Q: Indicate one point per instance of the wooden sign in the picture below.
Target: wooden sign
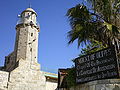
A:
(102, 64)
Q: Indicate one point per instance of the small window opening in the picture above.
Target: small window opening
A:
(31, 49)
(8, 60)
(31, 34)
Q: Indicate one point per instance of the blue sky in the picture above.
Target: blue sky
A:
(54, 52)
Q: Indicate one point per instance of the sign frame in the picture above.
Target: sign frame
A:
(99, 65)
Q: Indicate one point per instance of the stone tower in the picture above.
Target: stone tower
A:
(22, 63)
(27, 36)
(26, 45)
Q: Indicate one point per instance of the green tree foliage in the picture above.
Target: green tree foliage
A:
(100, 23)
(71, 77)
(93, 47)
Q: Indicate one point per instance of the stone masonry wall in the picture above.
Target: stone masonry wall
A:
(25, 78)
(51, 85)
(3, 80)
(108, 84)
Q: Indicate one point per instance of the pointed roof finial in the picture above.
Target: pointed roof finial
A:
(30, 5)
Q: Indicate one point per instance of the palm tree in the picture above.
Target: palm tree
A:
(109, 11)
(79, 24)
(97, 24)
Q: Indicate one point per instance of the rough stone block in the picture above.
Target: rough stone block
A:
(3, 79)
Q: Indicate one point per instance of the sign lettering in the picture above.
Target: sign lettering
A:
(102, 64)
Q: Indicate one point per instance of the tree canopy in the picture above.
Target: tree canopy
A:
(99, 22)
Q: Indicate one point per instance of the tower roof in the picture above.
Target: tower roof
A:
(29, 10)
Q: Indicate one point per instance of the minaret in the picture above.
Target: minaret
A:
(22, 63)
(26, 44)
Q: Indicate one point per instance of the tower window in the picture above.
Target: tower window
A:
(31, 34)
(31, 49)
(8, 60)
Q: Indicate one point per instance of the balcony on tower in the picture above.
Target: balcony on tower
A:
(28, 17)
